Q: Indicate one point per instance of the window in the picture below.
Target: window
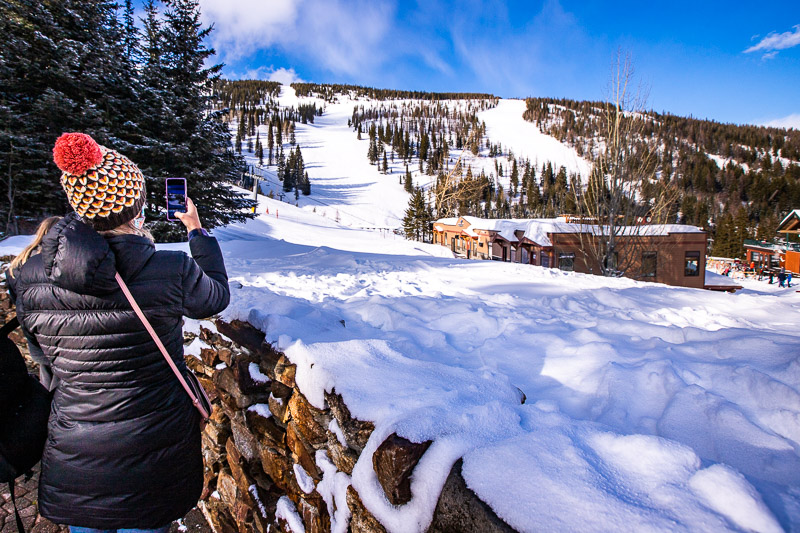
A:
(692, 264)
(566, 262)
(545, 260)
(649, 260)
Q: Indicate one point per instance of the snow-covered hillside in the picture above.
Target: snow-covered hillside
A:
(505, 124)
(647, 407)
(346, 188)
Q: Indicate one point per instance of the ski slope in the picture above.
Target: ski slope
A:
(346, 188)
(504, 124)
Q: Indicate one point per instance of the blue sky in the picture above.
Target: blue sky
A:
(728, 61)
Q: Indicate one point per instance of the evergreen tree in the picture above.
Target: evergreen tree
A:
(131, 40)
(200, 146)
(281, 165)
(259, 149)
(408, 183)
(514, 178)
(417, 217)
(270, 142)
(372, 151)
(61, 69)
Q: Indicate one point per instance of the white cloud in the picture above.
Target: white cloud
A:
(776, 41)
(242, 27)
(517, 62)
(285, 76)
(282, 75)
(343, 37)
(346, 38)
(790, 121)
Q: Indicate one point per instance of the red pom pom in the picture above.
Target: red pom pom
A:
(76, 153)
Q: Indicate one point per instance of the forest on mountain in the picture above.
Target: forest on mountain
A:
(329, 91)
(736, 182)
(250, 104)
(144, 89)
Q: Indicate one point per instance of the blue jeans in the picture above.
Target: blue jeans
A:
(76, 529)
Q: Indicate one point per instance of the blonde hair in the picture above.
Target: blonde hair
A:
(33, 247)
(128, 228)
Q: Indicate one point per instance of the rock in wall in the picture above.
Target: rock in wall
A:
(262, 442)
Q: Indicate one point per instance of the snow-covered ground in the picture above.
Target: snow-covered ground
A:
(648, 407)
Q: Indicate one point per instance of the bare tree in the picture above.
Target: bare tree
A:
(623, 196)
(450, 190)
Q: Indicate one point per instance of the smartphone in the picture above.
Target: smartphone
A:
(176, 197)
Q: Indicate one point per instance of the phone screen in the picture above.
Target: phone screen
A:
(176, 196)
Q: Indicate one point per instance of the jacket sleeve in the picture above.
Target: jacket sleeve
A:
(37, 355)
(205, 281)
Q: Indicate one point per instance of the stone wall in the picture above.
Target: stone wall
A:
(260, 445)
(261, 442)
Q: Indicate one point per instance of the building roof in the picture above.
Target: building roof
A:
(773, 246)
(538, 230)
(790, 223)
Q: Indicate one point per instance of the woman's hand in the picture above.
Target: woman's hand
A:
(189, 218)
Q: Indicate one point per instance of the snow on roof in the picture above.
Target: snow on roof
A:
(537, 230)
(794, 213)
(718, 280)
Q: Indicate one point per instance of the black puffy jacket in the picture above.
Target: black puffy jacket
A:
(124, 441)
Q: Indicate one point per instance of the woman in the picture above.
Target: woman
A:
(123, 450)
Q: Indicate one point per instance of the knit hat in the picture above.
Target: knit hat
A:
(103, 186)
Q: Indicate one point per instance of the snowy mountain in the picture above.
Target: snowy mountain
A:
(646, 407)
(526, 158)
(346, 187)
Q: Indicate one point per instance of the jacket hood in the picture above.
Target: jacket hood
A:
(132, 253)
(77, 258)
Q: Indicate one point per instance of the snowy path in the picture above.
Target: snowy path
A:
(343, 182)
(346, 188)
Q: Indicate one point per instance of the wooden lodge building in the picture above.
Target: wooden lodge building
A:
(672, 254)
(775, 255)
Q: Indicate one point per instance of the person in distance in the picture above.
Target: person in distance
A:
(123, 450)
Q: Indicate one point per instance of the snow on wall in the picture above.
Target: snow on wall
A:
(615, 372)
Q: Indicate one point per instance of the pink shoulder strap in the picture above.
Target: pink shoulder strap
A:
(151, 331)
